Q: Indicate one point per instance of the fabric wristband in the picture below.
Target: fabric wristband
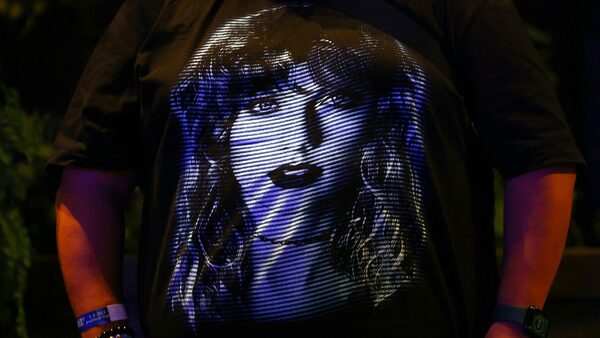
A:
(110, 313)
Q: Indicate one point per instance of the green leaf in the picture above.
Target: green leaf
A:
(23, 151)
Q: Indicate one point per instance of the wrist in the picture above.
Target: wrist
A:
(507, 329)
(93, 323)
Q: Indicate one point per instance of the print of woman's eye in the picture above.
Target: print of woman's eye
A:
(336, 100)
(263, 106)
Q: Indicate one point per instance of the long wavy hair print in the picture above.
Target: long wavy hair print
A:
(377, 241)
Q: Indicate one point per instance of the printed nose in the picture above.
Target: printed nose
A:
(313, 132)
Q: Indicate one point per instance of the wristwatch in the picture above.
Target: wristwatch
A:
(533, 320)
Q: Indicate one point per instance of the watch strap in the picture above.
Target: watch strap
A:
(507, 313)
(532, 320)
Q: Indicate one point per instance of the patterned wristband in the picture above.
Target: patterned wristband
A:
(111, 313)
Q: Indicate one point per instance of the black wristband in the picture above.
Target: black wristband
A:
(117, 332)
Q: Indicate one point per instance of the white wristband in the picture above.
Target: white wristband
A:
(117, 312)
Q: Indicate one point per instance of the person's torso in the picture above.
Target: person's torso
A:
(305, 169)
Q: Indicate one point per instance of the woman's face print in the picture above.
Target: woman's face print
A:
(303, 185)
(295, 146)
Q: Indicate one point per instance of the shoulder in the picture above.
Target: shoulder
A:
(141, 13)
(447, 18)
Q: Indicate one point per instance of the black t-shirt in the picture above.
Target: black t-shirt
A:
(313, 168)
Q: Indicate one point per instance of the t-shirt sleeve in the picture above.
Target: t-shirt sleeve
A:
(100, 129)
(510, 98)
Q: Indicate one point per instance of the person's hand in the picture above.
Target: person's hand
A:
(505, 330)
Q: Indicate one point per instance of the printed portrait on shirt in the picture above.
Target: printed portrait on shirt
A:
(303, 179)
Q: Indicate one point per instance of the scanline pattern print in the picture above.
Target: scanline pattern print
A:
(304, 184)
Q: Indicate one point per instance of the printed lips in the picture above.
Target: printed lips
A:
(294, 176)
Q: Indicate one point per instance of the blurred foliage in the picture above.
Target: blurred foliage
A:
(22, 13)
(23, 150)
(46, 44)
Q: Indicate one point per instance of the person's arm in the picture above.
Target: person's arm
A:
(536, 220)
(89, 215)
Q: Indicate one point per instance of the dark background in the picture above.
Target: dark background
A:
(46, 43)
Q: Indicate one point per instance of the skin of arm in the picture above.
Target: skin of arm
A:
(537, 210)
(89, 233)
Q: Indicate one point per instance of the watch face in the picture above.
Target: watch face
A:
(540, 324)
(536, 323)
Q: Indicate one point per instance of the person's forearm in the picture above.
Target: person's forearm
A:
(537, 212)
(89, 239)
